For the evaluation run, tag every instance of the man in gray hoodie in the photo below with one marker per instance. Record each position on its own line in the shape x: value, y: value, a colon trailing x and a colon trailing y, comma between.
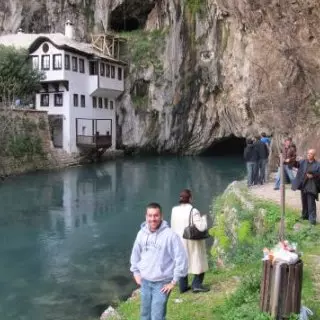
x: 158, y: 261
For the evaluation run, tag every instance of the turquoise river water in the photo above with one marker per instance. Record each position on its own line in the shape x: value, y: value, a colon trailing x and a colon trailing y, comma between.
x: 66, y: 236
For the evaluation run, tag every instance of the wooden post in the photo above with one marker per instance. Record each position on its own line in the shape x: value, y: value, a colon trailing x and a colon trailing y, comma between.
x: 282, y: 199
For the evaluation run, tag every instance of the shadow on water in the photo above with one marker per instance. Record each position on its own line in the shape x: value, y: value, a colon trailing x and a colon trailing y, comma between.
x: 66, y: 236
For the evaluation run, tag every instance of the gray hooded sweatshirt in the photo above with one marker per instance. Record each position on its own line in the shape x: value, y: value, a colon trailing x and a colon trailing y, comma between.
x: 159, y: 255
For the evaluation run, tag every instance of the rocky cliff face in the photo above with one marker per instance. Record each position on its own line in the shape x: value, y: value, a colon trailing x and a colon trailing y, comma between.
x: 203, y: 70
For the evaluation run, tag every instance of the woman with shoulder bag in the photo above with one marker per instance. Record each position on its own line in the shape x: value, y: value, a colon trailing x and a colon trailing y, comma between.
x: 182, y: 216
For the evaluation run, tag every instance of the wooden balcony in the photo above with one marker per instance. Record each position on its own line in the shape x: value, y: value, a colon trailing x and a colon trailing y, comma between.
x: 97, y: 141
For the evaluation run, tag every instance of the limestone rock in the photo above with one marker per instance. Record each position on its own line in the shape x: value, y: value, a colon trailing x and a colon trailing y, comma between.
x: 110, y: 313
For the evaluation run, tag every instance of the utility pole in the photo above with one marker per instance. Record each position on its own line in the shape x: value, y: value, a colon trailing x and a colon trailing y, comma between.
x: 282, y: 199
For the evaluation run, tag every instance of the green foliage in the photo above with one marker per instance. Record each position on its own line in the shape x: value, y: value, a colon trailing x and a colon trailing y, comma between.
x: 17, y: 77
x: 20, y: 136
x: 140, y: 102
x: 42, y: 124
x: 247, y: 250
x: 243, y: 303
x: 145, y: 47
x: 195, y: 6
x: 245, y: 232
x: 25, y: 145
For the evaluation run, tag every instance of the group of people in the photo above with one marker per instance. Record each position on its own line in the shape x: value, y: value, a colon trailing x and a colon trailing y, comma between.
x: 304, y: 175
x: 256, y: 155
x: 161, y: 258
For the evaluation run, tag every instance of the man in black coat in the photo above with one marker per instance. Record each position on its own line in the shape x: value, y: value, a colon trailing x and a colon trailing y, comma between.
x: 308, y: 181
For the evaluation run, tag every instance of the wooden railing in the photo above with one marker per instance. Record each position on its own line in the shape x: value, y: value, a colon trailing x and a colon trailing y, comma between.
x: 94, y: 141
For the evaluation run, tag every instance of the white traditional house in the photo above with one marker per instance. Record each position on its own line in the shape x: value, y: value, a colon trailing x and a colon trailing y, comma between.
x: 80, y: 87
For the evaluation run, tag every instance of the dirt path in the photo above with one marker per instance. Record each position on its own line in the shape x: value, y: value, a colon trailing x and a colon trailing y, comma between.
x: 292, y: 197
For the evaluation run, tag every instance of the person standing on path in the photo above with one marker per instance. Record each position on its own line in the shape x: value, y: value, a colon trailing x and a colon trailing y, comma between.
x: 289, y: 152
x: 196, y: 249
x: 265, y: 139
x: 158, y: 261
x: 263, y: 155
x: 251, y: 157
x: 308, y: 182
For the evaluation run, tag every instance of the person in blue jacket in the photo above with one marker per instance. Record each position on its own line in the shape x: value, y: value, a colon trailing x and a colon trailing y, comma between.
x: 158, y: 261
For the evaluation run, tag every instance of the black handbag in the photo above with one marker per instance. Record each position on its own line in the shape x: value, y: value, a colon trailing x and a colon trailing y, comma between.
x: 192, y: 233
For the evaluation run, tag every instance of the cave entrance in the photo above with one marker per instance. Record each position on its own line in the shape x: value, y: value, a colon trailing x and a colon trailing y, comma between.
x: 226, y: 147
x: 125, y: 24
x: 130, y: 15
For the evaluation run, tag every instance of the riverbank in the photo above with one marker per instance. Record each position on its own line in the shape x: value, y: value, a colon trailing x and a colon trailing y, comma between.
x: 245, y: 223
x: 54, y: 160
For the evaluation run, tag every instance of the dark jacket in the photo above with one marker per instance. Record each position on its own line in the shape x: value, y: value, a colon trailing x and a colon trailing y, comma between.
x: 262, y: 149
x: 301, y: 182
x: 250, y: 153
x: 291, y: 154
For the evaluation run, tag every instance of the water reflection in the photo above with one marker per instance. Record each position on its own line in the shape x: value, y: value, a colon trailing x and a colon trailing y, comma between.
x: 65, y: 237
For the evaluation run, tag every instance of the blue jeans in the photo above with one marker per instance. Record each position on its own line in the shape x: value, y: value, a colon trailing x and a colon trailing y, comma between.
x: 251, y: 171
x: 288, y: 172
x: 153, y: 301
x: 261, y: 172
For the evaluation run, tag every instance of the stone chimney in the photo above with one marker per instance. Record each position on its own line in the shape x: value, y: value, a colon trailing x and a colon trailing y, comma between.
x: 69, y: 31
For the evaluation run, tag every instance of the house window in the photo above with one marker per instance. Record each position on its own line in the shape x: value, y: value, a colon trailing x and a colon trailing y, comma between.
x: 58, y: 100
x: 94, y: 102
x: 108, y: 70
x: 74, y: 64
x: 83, y: 101
x: 35, y: 62
x: 92, y: 68
x: 113, y: 71
x: 57, y: 61
x: 100, y: 103
x: 44, y: 100
x: 81, y: 66
x: 45, y: 62
x: 111, y: 105
x: 75, y: 100
x: 102, y: 69
x: 106, y: 103
x: 119, y: 73
x: 67, y: 62
x: 45, y: 47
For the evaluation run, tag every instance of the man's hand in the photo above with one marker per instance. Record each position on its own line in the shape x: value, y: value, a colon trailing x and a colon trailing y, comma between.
x: 137, y: 278
x: 309, y: 175
x: 167, y: 288
x: 287, y: 160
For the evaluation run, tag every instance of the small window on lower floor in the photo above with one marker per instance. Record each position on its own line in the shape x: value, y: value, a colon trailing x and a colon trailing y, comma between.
x: 94, y: 102
x: 111, y: 105
x: 106, y: 103
x: 44, y: 100
x: 58, y: 100
x: 83, y: 101
x: 100, y: 103
x: 75, y: 100
x: 113, y: 72
x: 119, y: 73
